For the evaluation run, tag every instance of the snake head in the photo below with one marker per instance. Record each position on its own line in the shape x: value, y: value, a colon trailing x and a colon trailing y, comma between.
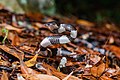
x: 52, y: 25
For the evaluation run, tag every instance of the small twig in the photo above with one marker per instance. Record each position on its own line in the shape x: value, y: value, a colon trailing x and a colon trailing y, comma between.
x: 66, y: 78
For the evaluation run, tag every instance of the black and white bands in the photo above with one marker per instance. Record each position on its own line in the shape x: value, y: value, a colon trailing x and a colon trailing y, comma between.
x: 60, y: 28
x: 55, y: 28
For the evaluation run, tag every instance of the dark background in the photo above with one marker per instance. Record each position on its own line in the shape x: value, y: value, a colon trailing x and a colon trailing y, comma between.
x: 93, y: 10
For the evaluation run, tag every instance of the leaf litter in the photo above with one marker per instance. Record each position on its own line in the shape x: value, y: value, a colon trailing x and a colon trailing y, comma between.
x: 23, y: 34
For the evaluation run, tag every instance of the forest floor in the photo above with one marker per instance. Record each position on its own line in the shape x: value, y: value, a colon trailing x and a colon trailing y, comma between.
x: 20, y: 36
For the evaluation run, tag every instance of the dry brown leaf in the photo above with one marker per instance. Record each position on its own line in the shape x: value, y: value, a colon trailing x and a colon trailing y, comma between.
x: 95, y: 58
x: 9, y: 27
x: 88, y: 77
x: 3, y: 62
x: 40, y: 77
x: 85, y: 23
x: 114, y: 72
x: 26, y: 70
x: 46, y: 77
x: 32, y: 61
x: 12, y: 52
x: 114, y: 49
x: 105, y: 78
x: 49, y: 72
x: 4, y: 76
x: 57, y: 73
x: 31, y: 71
x: 97, y: 71
x: 27, y: 48
x: 94, y: 71
x: 14, y: 38
x: 39, y: 25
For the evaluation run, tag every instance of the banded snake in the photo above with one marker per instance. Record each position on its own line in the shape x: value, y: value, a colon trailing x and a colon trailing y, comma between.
x: 51, y: 40
x: 59, y: 29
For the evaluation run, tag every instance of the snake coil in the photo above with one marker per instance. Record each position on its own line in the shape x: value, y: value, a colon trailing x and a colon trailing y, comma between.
x: 51, y: 40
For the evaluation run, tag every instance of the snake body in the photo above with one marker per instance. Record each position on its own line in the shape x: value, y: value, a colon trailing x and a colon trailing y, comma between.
x: 102, y: 51
x: 59, y: 29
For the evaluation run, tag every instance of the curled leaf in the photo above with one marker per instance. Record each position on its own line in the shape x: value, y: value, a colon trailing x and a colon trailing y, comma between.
x: 32, y: 61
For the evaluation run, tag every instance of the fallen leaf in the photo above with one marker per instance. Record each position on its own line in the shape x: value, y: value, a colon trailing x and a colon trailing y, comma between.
x: 114, y: 49
x: 23, y: 68
x: 88, y: 77
x: 85, y: 23
x: 32, y: 61
x: 40, y: 77
x: 95, y: 58
x: 26, y: 70
x: 57, y: 73
x: 14, y: 38
x: 12, y: 52
x: 9, y: 27
x: 97, y: 71
x: 4, y: 76
x: 105, y: 78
